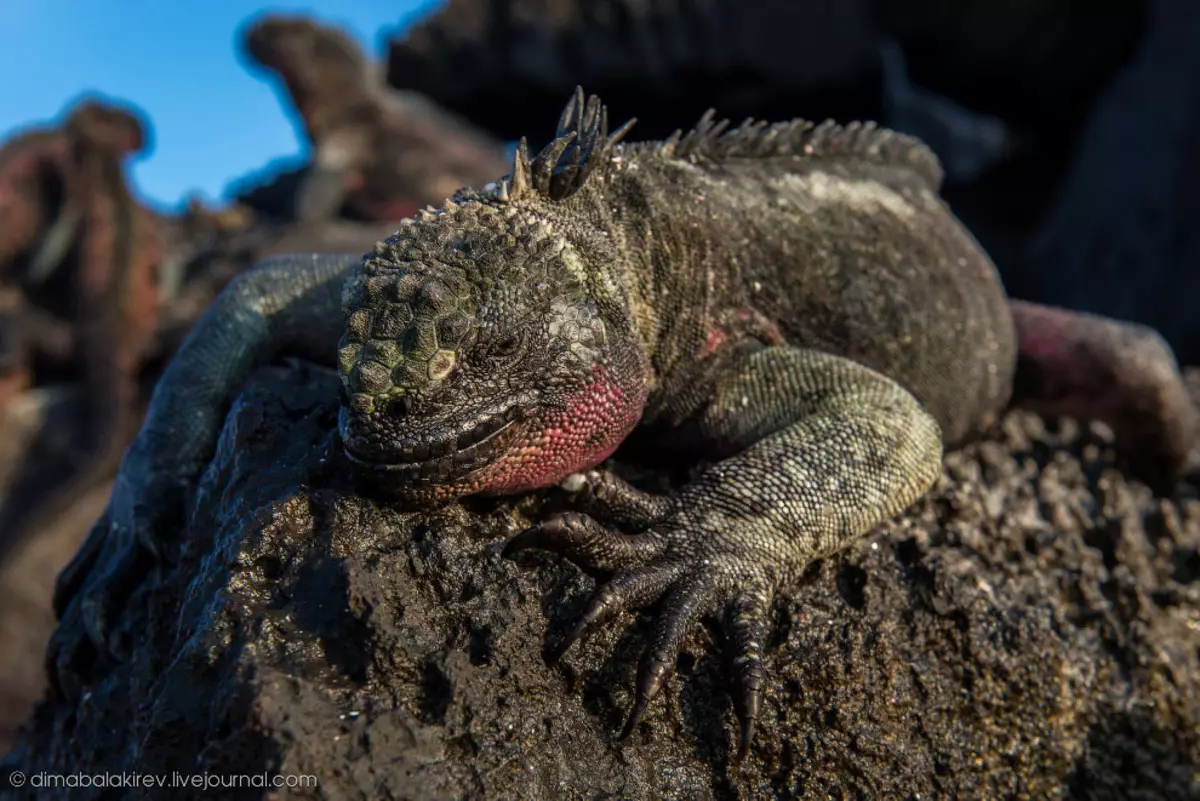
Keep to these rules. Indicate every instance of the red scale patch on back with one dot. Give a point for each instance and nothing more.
(737, 324)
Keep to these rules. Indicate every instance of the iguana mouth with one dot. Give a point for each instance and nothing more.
(424, 460)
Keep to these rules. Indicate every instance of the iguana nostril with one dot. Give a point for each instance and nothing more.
(399, 407)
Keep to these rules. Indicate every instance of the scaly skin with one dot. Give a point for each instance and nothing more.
(794, 304)
(382, 152)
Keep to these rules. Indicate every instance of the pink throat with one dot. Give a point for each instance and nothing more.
(596, 420)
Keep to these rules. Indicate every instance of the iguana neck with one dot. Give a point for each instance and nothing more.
(632, 236)
(614, 241)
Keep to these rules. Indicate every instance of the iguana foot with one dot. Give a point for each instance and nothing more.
(603, 494)
(121, 549)
(695, 560)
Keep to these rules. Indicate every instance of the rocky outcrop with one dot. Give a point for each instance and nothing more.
(1030, 629)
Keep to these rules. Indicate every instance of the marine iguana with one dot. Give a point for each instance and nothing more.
(793, 303)
(382, 152)
(104, 280)
(116, 289)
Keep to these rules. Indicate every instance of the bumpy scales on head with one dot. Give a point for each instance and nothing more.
(477, 355)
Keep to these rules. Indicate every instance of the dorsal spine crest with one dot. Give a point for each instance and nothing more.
(582, 147)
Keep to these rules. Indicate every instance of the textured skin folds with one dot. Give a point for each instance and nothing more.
(794, 304)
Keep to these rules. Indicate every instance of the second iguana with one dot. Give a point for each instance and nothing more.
(792, 304)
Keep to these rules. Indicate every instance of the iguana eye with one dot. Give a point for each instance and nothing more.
(506, 346)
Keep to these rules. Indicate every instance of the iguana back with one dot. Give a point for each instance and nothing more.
(830, 237)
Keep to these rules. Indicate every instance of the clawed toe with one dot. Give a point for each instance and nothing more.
(589, 545)
(686, 602)
(626, 591)
(88, 596)
(72, 577)
(749, 626)
(659, 564)
(108, 591)
(602, 494)
(64, 652)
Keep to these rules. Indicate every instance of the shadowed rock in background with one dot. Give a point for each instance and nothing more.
(1122, 236)
(503, 62)
(378, 152)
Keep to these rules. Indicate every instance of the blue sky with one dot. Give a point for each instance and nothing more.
(212, 119)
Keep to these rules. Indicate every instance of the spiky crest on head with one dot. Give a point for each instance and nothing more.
(581, 143)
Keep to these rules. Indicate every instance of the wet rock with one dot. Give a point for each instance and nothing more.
(1030, 629)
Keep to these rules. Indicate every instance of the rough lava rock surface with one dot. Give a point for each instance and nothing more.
(1031, 629)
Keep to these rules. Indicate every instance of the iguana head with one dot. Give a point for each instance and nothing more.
(481, 355)
(483, 352)
(324, 69)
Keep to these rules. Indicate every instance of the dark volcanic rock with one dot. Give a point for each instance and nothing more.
(1122, 239)
(1036, 63)
(1031, 629)
(504, 63)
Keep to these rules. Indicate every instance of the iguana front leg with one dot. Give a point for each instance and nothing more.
(286, 304)
(816, 450)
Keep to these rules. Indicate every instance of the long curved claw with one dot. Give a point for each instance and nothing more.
(147, 535)
(687, 602)
(629, 590)
(587, 544)
(750, 626)
(94, 587)
(103, 598)
(73, 575)
(685, 561)
(605, 495)
(63, 663)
